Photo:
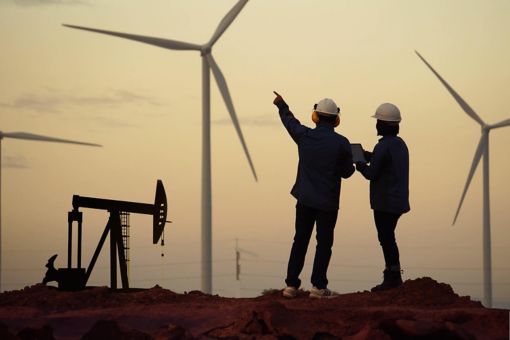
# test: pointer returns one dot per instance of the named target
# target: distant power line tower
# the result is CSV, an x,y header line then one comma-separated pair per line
x,y
238,264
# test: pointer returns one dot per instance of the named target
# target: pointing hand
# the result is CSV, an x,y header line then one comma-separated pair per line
x,y
277,99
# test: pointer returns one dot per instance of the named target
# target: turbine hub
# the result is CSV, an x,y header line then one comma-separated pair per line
x,y
206,49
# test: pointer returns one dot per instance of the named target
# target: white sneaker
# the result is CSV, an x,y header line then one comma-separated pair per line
x,y
289,292
316,293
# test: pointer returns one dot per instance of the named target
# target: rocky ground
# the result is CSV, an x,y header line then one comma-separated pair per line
x,y
420,309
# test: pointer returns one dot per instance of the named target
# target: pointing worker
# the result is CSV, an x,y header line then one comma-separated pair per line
x,y
388,173
324,159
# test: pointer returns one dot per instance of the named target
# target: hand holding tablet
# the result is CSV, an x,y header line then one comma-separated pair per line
x,y
358,154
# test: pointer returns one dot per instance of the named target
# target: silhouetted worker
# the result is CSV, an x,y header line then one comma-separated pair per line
x,y
324,159
388,173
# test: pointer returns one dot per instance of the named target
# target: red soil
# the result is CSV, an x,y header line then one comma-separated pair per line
x,y
420,309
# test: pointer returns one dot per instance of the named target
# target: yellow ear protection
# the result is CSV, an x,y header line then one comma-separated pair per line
x,y
337,121
316,117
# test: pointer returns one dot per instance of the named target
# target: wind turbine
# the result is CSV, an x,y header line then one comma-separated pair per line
x,y
25,136
481,150
207,62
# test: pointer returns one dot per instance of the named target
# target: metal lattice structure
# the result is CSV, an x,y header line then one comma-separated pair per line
x,y
124,224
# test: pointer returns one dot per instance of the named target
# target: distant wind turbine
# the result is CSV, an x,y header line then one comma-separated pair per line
x,y
207,62
481,150
25,136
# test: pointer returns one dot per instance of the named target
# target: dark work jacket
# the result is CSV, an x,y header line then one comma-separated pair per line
x,y
324,159
388,173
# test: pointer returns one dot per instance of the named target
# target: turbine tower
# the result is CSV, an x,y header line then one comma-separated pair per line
x,y
481,150
25,136
208,62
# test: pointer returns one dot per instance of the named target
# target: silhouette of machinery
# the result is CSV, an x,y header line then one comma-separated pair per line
x,y
76,278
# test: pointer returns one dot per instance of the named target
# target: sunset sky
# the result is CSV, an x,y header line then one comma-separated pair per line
x,y
143,104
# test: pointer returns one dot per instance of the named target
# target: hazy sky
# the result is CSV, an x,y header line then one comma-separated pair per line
x,y
143,104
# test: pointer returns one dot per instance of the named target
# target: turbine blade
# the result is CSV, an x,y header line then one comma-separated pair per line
x,y
455,95
503,123
164,43
227,20
31,136
222,85
476,159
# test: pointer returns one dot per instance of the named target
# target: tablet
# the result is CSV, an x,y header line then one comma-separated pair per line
x,y
357,153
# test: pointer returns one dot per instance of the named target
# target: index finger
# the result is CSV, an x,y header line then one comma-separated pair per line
x,y
276,93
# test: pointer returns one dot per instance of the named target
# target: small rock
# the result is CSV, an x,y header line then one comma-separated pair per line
x,y
43,333
174,332
5,334
109,329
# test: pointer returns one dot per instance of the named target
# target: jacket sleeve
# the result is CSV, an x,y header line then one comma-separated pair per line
x,y
347,168
373,170
295,129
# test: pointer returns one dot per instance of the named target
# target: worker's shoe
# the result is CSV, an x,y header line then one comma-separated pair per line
x,y
392,279
324,293
289,292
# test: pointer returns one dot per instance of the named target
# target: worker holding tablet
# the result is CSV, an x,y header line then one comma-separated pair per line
x,y
388,172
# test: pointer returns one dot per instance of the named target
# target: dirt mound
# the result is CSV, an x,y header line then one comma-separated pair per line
x,y
419,309
422,292
50,298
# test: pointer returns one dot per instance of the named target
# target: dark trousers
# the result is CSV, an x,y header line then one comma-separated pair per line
x,y
306,217
386,223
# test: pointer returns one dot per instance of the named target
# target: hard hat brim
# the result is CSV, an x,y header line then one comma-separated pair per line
x,y
386,119
332,114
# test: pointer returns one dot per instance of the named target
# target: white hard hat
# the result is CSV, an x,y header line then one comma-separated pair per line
x,y
327,106
388,112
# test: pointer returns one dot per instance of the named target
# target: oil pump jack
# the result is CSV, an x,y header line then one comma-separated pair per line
x,y
76,278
